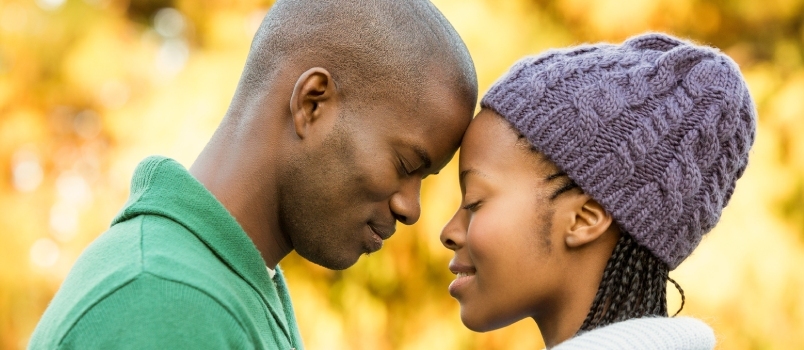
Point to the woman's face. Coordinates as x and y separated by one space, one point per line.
508 234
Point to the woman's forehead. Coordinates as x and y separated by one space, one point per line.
491 142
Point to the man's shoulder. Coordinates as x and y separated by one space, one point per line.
144 244
150 311
108 263
157 246
146 252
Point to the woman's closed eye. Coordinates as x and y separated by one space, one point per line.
473 206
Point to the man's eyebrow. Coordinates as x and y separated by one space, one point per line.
423 155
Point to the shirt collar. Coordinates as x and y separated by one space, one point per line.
162 186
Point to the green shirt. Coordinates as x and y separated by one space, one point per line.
175 271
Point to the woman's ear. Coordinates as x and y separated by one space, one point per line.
590 221
311 99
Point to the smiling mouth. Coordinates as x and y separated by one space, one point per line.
462 278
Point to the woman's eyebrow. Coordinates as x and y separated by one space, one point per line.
556 175
463 174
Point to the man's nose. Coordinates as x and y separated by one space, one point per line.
405 204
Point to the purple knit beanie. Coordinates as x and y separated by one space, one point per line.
657 130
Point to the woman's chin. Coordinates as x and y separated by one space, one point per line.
481 323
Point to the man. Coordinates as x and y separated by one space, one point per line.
343 107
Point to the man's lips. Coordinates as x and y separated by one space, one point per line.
384 232
379 234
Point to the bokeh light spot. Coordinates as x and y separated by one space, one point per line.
87 124
49 4
172 56
44 252
64 221
27 171
169 22
72 188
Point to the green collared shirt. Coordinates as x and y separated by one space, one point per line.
175 271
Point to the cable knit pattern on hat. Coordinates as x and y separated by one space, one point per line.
657 130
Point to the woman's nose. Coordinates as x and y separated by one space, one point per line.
454 232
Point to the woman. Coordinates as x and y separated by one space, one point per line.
589 174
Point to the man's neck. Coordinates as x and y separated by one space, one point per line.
244 182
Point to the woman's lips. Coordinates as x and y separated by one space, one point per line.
460 281
464 274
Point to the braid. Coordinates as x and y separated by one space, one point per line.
683 298
634 284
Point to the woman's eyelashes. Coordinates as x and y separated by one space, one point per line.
473 206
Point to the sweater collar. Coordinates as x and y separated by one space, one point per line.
161 186
683 333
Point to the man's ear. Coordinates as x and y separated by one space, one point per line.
590 221
313 93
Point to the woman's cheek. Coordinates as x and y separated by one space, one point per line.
483 237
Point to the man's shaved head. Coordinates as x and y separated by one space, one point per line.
367 46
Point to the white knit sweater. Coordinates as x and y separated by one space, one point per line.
649 333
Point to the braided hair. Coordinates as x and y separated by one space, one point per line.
633 285
634 281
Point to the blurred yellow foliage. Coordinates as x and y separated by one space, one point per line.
90 87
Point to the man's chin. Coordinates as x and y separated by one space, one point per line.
333 263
